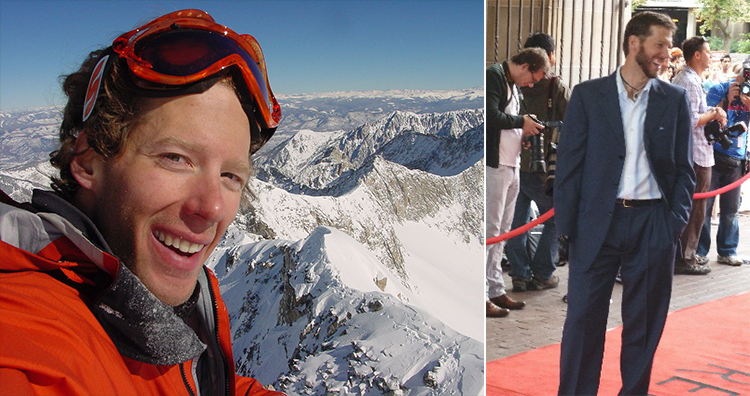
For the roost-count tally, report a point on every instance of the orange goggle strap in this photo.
(95, 82)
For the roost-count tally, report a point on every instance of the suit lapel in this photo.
(610, 103)
(655, 110)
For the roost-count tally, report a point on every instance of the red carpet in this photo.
(705, 351)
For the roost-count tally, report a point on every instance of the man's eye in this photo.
(233, 177)
(173, 157)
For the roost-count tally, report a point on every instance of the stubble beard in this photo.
(645, 63)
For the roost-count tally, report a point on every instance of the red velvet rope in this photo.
(541, 219)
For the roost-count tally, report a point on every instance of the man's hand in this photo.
(531, 127)
(745, 100)
(720, 115)
(735, 92)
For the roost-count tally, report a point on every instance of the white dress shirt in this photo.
(637, 181)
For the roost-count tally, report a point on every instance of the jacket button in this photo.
(609, 213)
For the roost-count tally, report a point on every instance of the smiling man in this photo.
(623, 188)
(103, 288)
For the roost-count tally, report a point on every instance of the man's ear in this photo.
(633, 43)
(86, 163)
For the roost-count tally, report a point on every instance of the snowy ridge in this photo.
(343, 111)
(323, 318)
(348, 274)
(28, 135)
(333, 163)
(19, 182)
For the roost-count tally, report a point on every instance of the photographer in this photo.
(503, 157)
(698, 58)
(548, 99)
(731, 165)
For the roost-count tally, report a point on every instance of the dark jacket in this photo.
(591, 154)
(497, 119)
(535, 101)
(75, 321)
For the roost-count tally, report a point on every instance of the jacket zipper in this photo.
(216, 333)
(190, 390)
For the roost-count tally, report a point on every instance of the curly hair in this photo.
(119, 109)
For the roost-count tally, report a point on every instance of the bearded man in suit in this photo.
(623, 193)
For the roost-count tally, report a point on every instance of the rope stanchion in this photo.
(541, 219)
(722, 190)
(520, 230)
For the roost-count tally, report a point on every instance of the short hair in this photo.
(540, 40)
(692, 45)
(727, 56)
(640, 25)
(535, 58)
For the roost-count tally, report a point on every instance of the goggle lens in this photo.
(194, 55)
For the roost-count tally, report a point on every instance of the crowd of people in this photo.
(622, 186)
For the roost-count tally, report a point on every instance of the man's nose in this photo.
(206, 200)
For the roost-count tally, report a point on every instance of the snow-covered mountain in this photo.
(28, 136)
(357, 268)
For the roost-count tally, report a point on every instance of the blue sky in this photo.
(310, 46)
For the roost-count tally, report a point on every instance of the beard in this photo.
(645, 63)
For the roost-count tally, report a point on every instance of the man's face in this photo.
(725, 63)
(525, 78)
(654, 50)
(703, 57)
(164, 202)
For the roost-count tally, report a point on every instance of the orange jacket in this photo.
(51, 343)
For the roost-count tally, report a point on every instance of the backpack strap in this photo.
(551, 85)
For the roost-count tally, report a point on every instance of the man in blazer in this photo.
(623, 192)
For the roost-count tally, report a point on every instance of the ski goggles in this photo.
(184, 48)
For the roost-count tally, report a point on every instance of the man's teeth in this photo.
(175, 242)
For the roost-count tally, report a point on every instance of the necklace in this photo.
(635, 90)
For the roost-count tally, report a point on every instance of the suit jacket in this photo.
(591, 155)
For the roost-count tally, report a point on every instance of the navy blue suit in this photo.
(605, 236)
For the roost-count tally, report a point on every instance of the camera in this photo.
(714, 133)
(745, 86)
(538, 157)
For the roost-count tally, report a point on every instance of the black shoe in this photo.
(692, 269)
(538, 283)
(520, 285)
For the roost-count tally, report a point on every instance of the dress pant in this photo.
(689, 237)
(500, 199)
(640, 243)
